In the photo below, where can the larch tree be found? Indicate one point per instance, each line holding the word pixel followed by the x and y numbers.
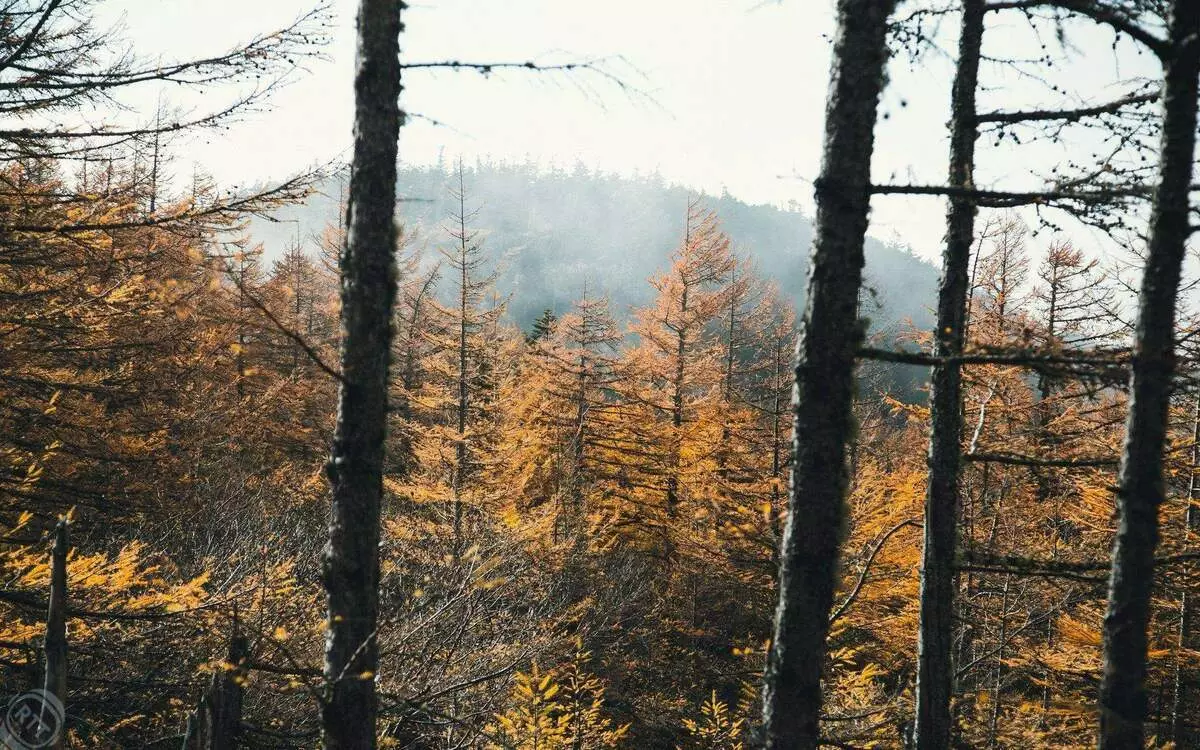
pixel 1183 686
pixel 564 405
pixel 355 469
pixel 414 338
pixel 772 391
pixel 244 271
pixel 829 336
pixel 1140 488
pixel 935 677
pixel 679 353
pixel 743 494
pixel 293 291
pixel 1096 205
pixel 458 367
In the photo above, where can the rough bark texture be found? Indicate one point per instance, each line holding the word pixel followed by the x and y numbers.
pixel 1187 605
pixel 1140 483
pixel 216 724
pixel 935 665
pixel 56 625
pixel 824 390
pixel 355 469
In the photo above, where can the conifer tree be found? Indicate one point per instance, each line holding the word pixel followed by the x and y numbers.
pixel 563 410
pixel 677 362
pixel 461 329
pixel 824 373
pixel 1123 700
pixel 542 327
pixel 355 469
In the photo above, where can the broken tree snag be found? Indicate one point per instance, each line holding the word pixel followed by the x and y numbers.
pixel 355 468
pixel 829 338
pixel 935 667
pixel 56 623
pixel 1140 489
pixel 216 724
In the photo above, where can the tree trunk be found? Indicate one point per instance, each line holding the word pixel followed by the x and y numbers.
pixel 1140 482
pixel 935 663
pixel 464 307
pixel 830 335
pixel 216 724
pixel 677 382
pixel 56 626
pixel 998 673
pixel 355 468
pixel 1187 605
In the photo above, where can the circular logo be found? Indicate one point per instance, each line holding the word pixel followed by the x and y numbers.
pixel 33 720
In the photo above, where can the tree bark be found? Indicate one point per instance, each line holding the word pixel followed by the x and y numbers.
pixel 216 724
pixel 355 468
pixel 1140 489
pixel 56 625
pixel 935 663
pixel 1187 604
pixel 824 391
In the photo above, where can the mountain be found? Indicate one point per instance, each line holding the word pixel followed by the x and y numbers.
pixel 553 231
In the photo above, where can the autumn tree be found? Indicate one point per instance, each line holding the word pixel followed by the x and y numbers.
pixel 562 411
pixel 458 418
pixel 355 469
pixel 677 364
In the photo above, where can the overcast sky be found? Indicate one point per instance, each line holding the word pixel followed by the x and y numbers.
pixel 730 94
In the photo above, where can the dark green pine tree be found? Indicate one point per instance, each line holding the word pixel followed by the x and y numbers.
pixel 542 327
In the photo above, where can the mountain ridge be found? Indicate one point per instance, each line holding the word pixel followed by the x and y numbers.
pixel 552 231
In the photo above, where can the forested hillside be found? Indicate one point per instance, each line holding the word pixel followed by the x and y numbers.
pixel 499 458
pixel 550 232
pixel 581 518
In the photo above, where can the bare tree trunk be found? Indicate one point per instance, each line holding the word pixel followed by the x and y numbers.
pixel 830 335
pixel 998 673
pixel 935 663
pixel 355 468
pixel 681 348
pixel 56 625
pixel 216 724
pixel 464 306
pixel 1187 605
pixel 1140 482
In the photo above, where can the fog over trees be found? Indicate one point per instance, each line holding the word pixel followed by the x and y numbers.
pixel 485 454
pixel 550 231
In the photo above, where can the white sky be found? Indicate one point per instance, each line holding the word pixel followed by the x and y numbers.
pixel 737 90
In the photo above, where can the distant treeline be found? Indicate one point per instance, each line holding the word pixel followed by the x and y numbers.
pixel 551 232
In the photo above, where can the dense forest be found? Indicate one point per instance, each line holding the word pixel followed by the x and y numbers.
pixel 492 457
pixel 551 235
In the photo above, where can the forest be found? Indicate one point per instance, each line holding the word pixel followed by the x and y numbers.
pixel 550 232
pixel 383 454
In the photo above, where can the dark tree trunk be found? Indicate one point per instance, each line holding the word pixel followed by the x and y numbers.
pixel 935 664
pixel 464 308
pixel 1187 604
pixel 681 348
pixel 355 468
pixel 56 625
pixel 1140 482
pixel 829 337
pixel 216 724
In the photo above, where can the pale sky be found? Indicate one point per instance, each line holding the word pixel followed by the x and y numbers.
pixel 734 92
